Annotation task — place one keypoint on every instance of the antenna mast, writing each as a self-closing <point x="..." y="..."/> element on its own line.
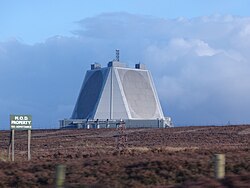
<point x="117" y="54"/>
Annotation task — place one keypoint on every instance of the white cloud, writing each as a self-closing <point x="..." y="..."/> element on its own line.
<point x="245" y="32"/>
<point x="200" y="66"/>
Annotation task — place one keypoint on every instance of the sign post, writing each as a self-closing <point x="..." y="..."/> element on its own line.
<point x="29" y="136"/>
<point x="12" y="144"/>
<point x="20" y="122"/>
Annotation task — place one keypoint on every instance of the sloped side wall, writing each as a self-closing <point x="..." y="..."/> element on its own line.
<point x="90" y="94"/>
<point x="111" y="104"/>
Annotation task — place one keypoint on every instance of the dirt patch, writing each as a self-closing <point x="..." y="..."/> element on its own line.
<point x="245" y="131"/>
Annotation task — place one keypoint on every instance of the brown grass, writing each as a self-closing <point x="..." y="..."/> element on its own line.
<point x="173" y="157"/>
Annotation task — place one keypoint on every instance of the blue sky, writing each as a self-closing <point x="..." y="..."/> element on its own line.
<point x="197" y="51"/>
<point x="34" y="21"/>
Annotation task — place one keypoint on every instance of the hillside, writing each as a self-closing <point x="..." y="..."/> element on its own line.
<point x="171" y="157"/>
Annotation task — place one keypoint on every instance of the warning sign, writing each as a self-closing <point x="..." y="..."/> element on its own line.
<point x="20" y="122"/>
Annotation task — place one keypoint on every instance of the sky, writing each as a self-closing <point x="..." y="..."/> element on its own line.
<point x="197" y="52"/>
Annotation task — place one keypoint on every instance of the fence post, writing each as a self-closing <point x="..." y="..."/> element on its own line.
<point x="219" y="166"/>
<point x="60" y="176"/>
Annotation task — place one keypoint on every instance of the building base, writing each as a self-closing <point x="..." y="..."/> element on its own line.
<point x="96" y="124"/>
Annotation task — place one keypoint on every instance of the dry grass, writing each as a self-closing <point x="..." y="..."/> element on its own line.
<point x="153" y="157"/>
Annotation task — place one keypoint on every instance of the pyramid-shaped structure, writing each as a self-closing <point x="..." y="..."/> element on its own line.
<point x="114" y="93"/>
<point x="117" y="92"/>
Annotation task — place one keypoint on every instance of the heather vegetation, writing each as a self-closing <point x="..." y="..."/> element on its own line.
<point x="172" y="157"/>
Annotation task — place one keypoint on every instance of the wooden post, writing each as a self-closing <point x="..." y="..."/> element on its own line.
<point x="13" y="145"/>
<point x="29" y="137"/>
<point x="219" y="166"/>
<point x="60" y="176"/>
<point x="9" y="146"/>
